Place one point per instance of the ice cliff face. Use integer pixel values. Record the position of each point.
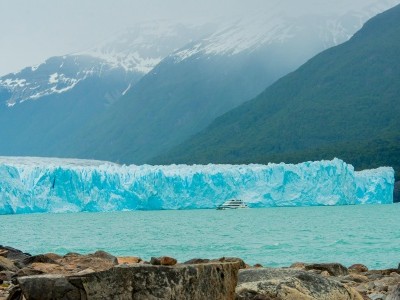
(53, 185)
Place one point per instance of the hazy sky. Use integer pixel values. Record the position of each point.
(33, 30)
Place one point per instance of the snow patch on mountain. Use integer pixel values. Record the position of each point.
(56, 75)
(132, 53)
(143, 46)
(277, 27)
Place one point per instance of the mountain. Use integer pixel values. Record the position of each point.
(41, 107)
(191, 87)
(344, 102)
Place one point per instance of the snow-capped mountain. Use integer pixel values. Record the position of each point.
(277, 27)
(57, 75)
(193, 86)
(43, 105)
(130, 54)
(141, 48)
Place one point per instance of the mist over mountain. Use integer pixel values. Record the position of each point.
(206, 78)
(344, 102)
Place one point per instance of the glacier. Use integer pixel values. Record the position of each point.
(30, 185)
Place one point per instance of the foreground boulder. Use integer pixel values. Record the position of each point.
(202, 281)
(290, 284)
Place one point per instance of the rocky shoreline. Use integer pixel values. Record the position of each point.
(103, 276)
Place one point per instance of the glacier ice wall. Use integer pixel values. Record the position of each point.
(65, 185)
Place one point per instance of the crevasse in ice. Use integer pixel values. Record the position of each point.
(66, 185)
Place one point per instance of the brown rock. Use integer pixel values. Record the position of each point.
(6, 275)
(356, 278)
(99, 261)
(325, 274)
(128, 260)
(7, 265)
(86, 271)
(181, 282)
(48, 268)
(387, 272)
(258, 266)
(28, 271)
(388, 280)
(71, 263)
(359, 268)
(298, 265)
(168, 261)
(53, 256)
(105, 257)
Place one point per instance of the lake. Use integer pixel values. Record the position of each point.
(368, 234)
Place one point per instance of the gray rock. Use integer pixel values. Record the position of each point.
(290, 284)
(394, 294)
(15, 293)
(41, 258)
(377, 297)
(48, 287)
(196, 261)
(155, 261)
(12, 253)
(197, 282)
(105, 256)
(334, 269)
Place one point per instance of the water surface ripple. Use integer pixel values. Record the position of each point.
(274, 237)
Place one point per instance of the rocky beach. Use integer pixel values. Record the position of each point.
(101, 275)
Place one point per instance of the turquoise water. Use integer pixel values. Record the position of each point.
(368, 234)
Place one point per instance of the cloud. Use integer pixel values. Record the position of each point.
(31, 31)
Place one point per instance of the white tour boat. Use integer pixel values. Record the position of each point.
(232, 204)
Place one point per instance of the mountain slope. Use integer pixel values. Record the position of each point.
(344, 102)
(203, 80)
(41, 107)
